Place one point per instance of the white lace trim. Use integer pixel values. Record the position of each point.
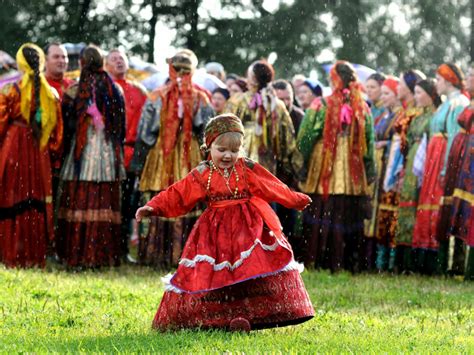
(292, 265)
(227, 264)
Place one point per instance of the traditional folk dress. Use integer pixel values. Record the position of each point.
(236, 261)
(340, 158)
(395, 169)
(383, 216)
(167, 148)
(26, 211)
(443, 129)
(90, 183)
(462, 222)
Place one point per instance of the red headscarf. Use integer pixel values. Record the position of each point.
(392, 83)
(356, 107)
(221, 124)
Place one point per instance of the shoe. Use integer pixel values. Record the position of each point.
(240, 324)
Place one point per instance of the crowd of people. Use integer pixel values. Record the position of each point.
(388, 163)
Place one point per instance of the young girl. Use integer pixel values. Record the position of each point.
(237, 269)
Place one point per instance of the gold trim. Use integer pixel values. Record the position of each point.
(90, 216)
(48, 199)
(464, 195)
(387, 207)
(428, 207)
(446, 200)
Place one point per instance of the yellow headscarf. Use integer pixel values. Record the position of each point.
(48, 100)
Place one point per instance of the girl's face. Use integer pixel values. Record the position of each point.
(374, 90)
(422, 98)
(389, 98)
(403, 90)
(223, 154)
(234, 89)
(441, 85)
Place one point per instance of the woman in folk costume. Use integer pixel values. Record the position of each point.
(237, 269)
(459, 148)
(269, 131)
(427, 99)
(30, 129)
(385, 217)
(400, 257)
(167, 148)
(443, 128)
(89, 197)
(373, 87)
(336, 139)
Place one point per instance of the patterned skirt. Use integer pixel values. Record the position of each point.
(273, 301)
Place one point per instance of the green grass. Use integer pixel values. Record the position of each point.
(111, 310)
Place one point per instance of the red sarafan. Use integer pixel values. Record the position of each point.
(236, 263)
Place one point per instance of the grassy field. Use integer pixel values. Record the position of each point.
(111, 311)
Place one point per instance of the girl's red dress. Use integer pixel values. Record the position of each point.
(236, 261)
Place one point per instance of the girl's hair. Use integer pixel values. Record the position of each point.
(92, 59)
(378, 77)
(264, 73)
(346, 73)
(233, 140)
(33, 59)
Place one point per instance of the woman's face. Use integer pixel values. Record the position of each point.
(422, 98)
(223, 155)
(374, 90)
(403, 91)
(441, 85)
(305, 96)
(389, 99)
(234, 89)
(218, 102)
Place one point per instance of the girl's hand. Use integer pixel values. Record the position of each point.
(142, 212)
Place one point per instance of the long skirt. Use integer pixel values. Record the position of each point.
(89, 223)
(424, 233)
(26, 218)
(334, 230)
(162, 239)
(273, 301)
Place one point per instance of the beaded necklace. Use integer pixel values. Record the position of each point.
(226, 175)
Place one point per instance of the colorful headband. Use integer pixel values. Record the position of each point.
(392, 83)
(222, 124)
(449, 74)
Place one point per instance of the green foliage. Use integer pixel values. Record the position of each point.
(111, 311)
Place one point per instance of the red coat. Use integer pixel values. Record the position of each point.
(237, 238)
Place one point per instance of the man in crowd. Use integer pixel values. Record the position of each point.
(55, 67)
(285, 93)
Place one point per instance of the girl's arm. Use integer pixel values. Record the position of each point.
(265, 185)
(179, 198)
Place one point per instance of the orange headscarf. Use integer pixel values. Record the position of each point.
(450, 75)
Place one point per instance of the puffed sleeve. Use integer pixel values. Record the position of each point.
(311, 129)
(265, 185)
(179, 198)
(6, 108)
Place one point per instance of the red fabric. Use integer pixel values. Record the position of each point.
(351, 97)
(89, 224)
(276, 300)
(26, 223)
(60, 86)
(424, 233)
(225, 231)
(134, 100)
